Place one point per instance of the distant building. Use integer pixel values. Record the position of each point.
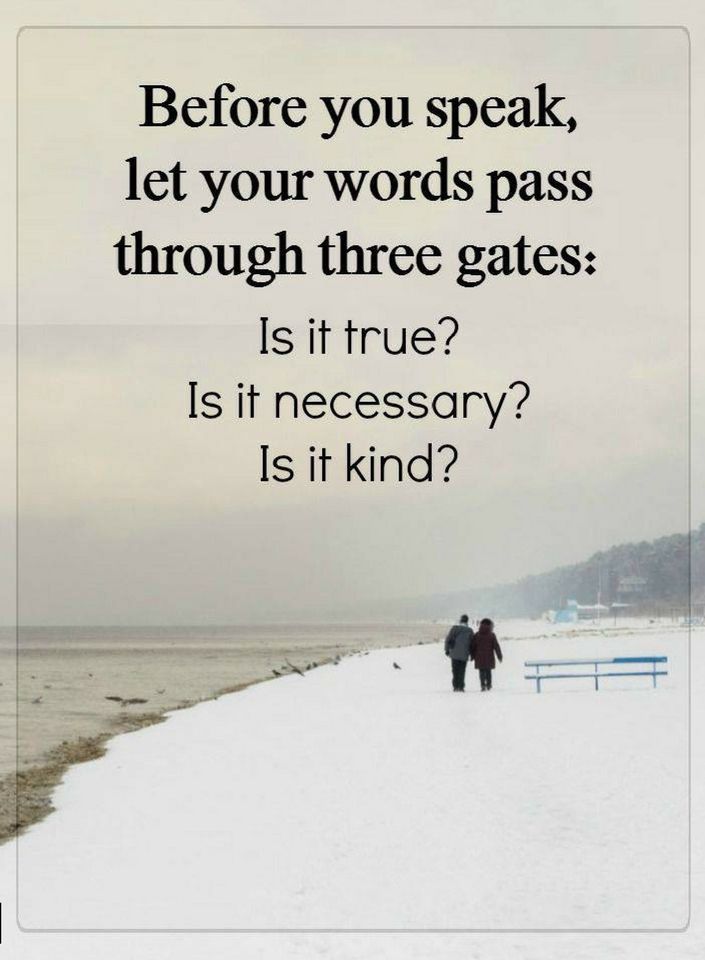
(592, 611)
(574, 611)
(568, 614)
(630, 589)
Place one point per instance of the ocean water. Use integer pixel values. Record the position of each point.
(65, 674)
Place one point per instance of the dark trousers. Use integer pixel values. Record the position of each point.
(485, 679)
(459, 667)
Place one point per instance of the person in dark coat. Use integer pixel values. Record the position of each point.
(457, 647)
(483, 649)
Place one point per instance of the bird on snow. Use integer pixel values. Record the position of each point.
(295, 669)
(276, 673)
(396, 666)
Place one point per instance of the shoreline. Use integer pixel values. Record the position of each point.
(26, 795)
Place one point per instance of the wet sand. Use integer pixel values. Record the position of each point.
(75, 686)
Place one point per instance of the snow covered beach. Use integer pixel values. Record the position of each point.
(362, 796)
(79, 687)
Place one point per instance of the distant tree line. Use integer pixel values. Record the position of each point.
(649, 575)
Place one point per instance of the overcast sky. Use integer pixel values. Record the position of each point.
(132, 513)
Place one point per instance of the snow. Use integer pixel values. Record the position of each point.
(367, 797)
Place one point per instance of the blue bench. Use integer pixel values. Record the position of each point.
(596, 674)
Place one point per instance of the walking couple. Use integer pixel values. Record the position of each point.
(463, 645)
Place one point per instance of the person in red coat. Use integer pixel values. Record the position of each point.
(484, 647)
